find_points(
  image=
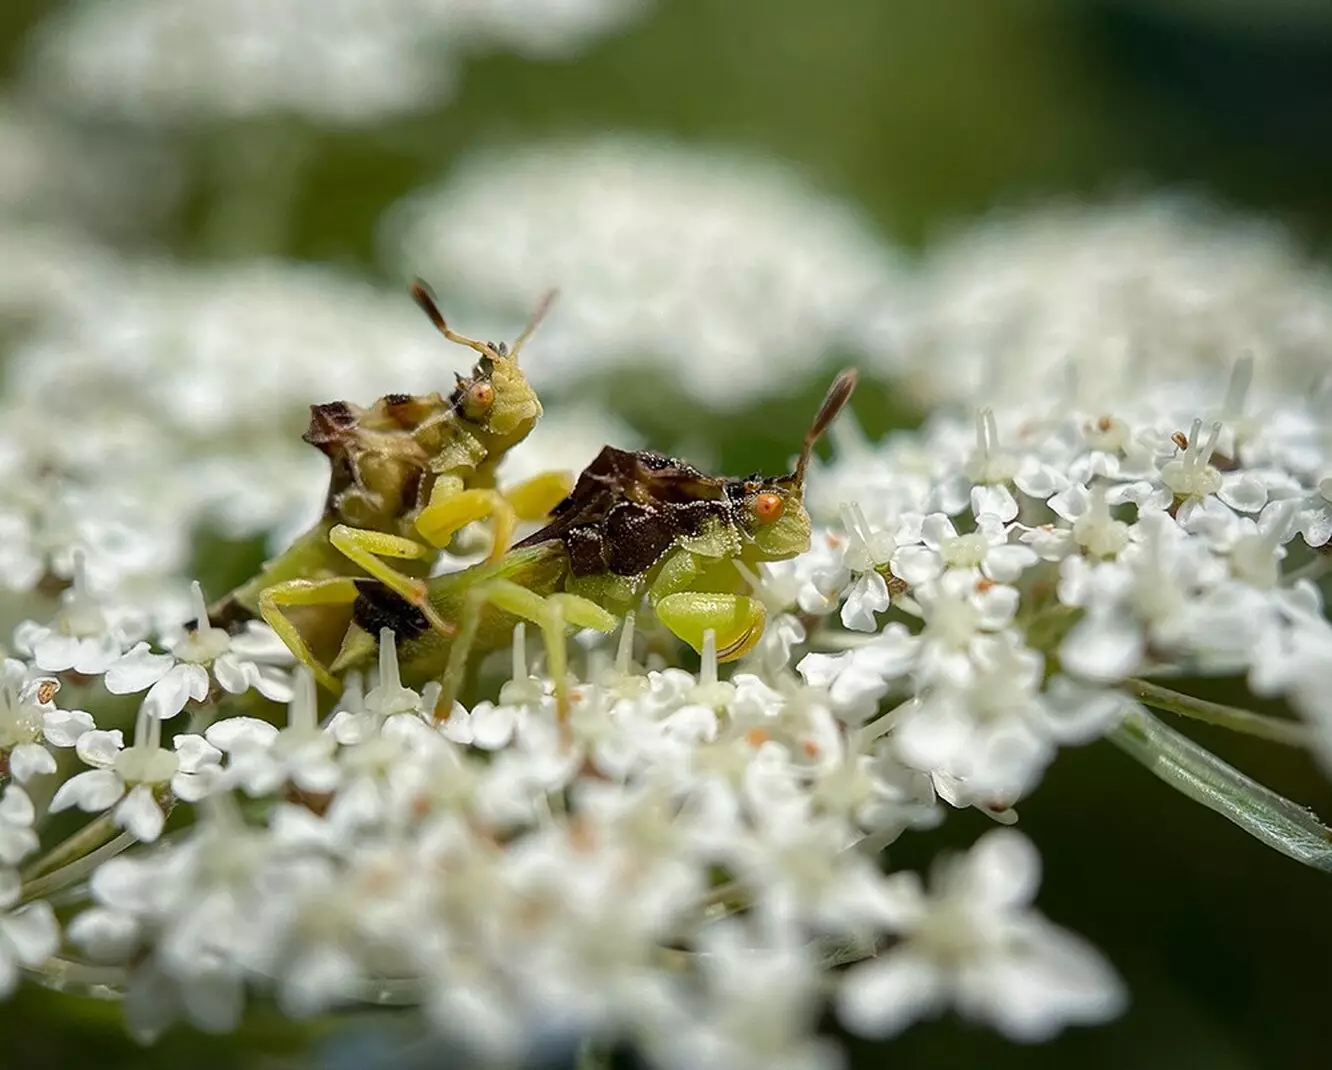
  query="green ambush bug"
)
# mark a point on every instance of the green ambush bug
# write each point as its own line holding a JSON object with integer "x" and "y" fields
{"x": 637, "y": 524}
{"x": 406, "y": 475}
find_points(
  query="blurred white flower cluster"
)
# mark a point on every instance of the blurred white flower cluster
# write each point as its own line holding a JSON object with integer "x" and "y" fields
{"x": 1118, "y": 294}
{"x": 337, "y": 62}
{"x": 726, "y": 268}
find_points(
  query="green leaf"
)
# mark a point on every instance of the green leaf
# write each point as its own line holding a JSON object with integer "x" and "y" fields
{"x": 1194, "y": 771}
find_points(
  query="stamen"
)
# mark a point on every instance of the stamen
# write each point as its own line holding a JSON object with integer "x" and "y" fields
{"x": 707, "y": 670}
{"x": 1190, "y": 475}
{"x": 147, "y": 729}
{"x": 988, "y": 464}
{"x": 200, "y": 607}
{"x": 987, "y": 433}
{"x": 389, "y": 677}
{"x": 518, "y": 671}
{"x": 869, "y": 549}
{"x": 220, "y": 810}
{"x": 303, "y": 709}
{"x": 1237, "y": 390}
{"x": 1205, "y": 457}
{"x": 624, "y": 652}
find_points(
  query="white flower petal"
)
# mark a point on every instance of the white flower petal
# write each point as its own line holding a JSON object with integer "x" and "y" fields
{"x": 884, "y": 996}
{"x": 99, "y": 747}
{"x": 996, "y": 499}
{"x": 140, "y": 815}
{"x": 105, "y": 936}
{"x": 238, "y": 733}
{"x": 28, "y": 760}
{"x": 94, "y": 791}
{"x": 1005, "y": 564}
{"x": 137, "y": 670}
{"x": 1001, "y": 871}
{"x": 16, "y": 807}
{"x": 868, "y": 596}
{"x": 195, "y": 752}
{"x": 916, "y": 565}
{"x": 62, "y": 728}
{"x": 1103, "y": 647}
{"x": 32, "y": 932}
{"x": 17, "y": 842}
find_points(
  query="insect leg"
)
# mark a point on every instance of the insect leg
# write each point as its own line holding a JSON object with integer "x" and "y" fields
{"x": 552, "y": 613}
{"x": 272, "y": 600}
{"x": 534, "y": 498}
{"x": 365, "y": 548}
{"x": 736, "y": 619}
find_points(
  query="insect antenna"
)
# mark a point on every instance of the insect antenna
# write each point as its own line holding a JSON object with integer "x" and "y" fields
{"x": 837, "y": 396}
{"x": 538, "y": 314}
{"x": 423, "y": 296}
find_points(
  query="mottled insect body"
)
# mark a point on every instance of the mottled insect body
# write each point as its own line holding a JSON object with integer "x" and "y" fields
{"x": 635, "y": 525}
{"x": 405, "y": 475}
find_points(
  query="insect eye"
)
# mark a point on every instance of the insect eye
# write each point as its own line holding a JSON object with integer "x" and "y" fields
{"x": 768, "y": 507}
{"x": 480, "y": 396}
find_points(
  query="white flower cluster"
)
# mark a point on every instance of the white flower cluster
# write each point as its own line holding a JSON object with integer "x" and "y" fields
{"x": 510, "y": 873}
{"x": 1038, "y": 555}
{"x": 340, "y": 62}
{"x": 724, "y": 266}
{"x": 1127, "y": 292}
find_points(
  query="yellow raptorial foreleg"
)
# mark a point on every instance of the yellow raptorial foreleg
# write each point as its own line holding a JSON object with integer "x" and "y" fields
{"x": 366, "y": 547}
{"x": 273, "y": 600}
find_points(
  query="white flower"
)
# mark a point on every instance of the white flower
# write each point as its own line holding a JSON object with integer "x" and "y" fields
{"x": 28, "y": 936}
{"x": 128, "y": 780}
{"x": 986, "y": 550}
{"x": 983, "y": 729}
{"x": 858, "y": 678}
{"x": 1126, "y": 294}
{"x": 959, "y": 610}
{"x": 85, "y": 636}
{"x": 262, "y": 758}
{"x": 17, "y": 837}
{"x": 975, "y": 943}
{"x": 30, "y": 722}
{"x": 805, "y": 876}
{"x": 758, "y": 1004}
{"x": 329, "y": 61}
{"x": 238, "y": 663}
{"x": 170, "y": 684}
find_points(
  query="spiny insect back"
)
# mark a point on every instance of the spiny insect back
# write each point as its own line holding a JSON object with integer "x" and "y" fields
{"x": 637, "y": 524}
{"x": 406, "y": 474}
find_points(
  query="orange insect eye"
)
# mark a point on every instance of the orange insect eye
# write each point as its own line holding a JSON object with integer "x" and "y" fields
{"x": 479, "y": 399}
{"x": 768, "y": 507}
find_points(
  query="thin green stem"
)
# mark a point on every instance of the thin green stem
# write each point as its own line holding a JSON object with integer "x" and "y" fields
{"x": 1314, "y": 569}
{"x": 1215, "y": 713}
{"x": 67, "y": 975}
{"x": 89, "y": 838}
{"x": 48, "y": 884}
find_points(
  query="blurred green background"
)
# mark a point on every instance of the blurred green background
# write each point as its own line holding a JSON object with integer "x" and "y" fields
{"x": 927, "y": 113}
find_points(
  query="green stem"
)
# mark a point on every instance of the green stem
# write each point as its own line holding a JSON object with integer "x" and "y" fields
{"x": 89, "y": 838}
{"x": 66, "y": 975}
{"x": 1237, "y": 720}
{"x": 46, "y": 885}
{"x": 1310, "y": 570}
